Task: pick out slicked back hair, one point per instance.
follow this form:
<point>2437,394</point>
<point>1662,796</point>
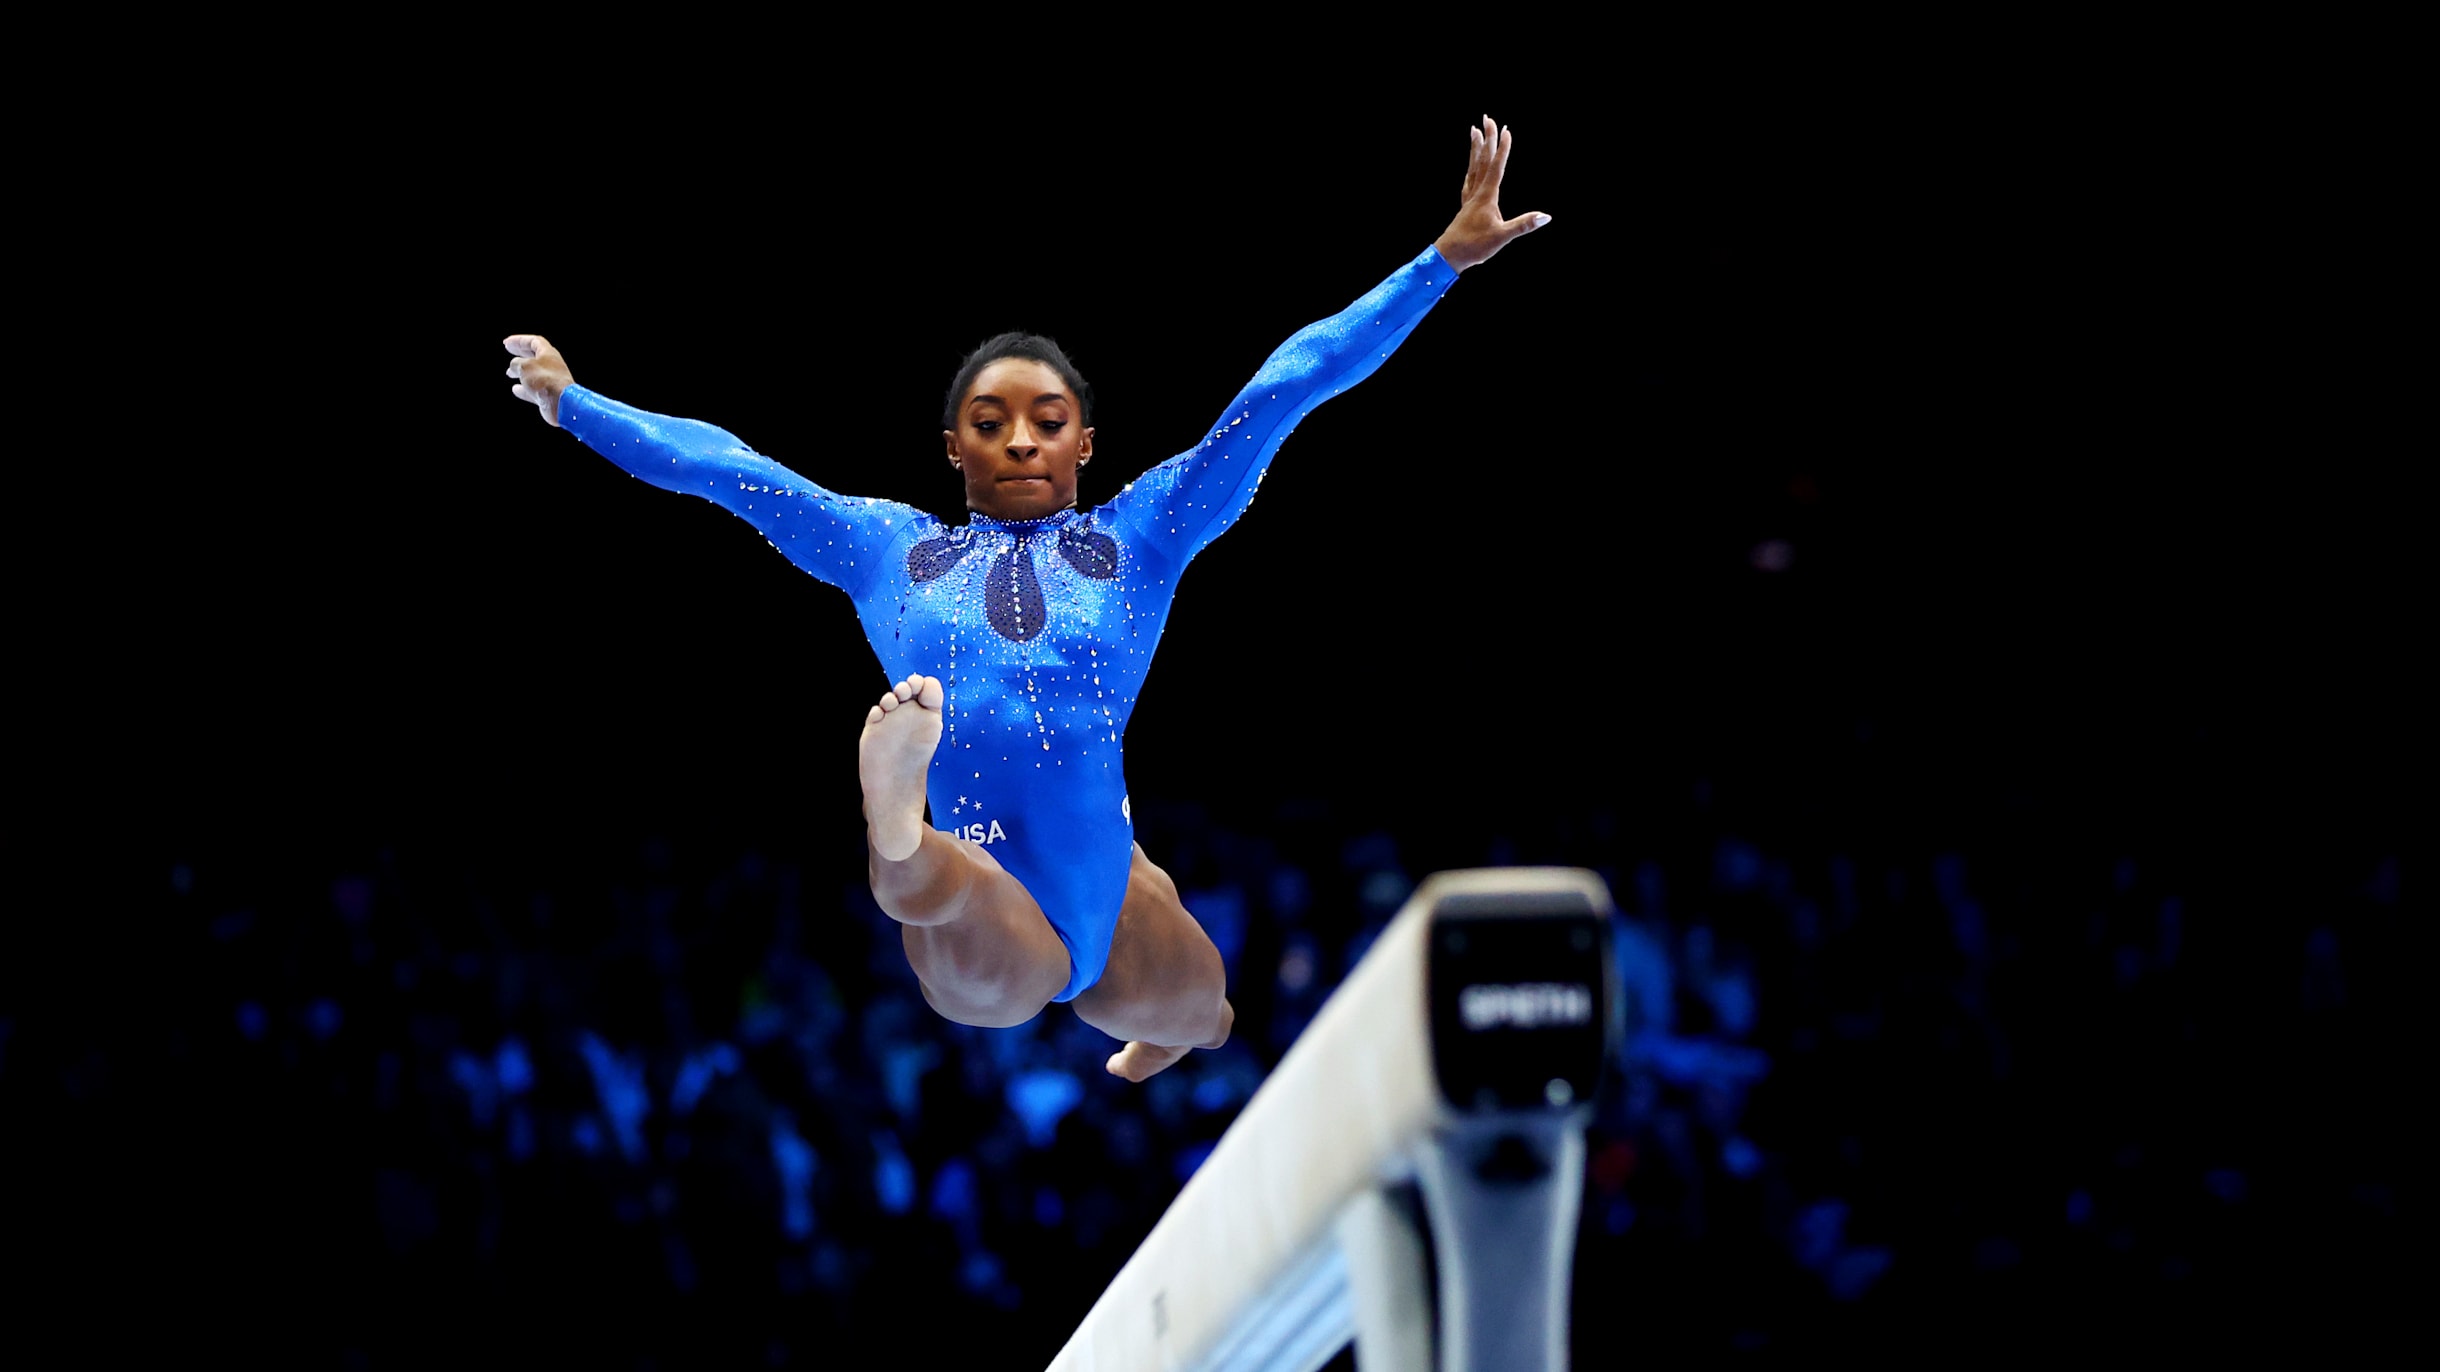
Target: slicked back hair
<point>1034,348</point>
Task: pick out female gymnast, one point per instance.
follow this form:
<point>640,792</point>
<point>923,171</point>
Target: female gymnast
<point>1019,639</point>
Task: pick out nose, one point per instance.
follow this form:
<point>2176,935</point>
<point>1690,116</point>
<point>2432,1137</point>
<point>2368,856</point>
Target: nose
<point>1022,442</point>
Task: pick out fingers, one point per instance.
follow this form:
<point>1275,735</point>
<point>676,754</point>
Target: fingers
<point>531,352</point>
<point>550,414</point>
<point>1489,162</point>
<point>1479,229</point>
<point>1486,162</point>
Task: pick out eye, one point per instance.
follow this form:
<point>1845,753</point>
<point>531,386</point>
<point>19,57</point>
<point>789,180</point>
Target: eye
<point>1053,425</point>
<point>986,425</point>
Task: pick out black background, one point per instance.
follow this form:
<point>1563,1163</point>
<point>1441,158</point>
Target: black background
<point>2049,392</point>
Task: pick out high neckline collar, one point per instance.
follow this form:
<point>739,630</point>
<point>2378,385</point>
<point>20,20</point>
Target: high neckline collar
<point>1056,519</point>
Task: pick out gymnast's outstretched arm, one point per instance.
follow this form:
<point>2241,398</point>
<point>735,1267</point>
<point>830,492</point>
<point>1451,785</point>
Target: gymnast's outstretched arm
<point>1180,506</point>
<point>840,539</point>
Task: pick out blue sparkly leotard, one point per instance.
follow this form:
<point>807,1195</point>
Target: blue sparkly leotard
<point>1040,631</point>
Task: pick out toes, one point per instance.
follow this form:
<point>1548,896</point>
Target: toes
<point>873,715</point>
<point>924,690</point>
<point>1140,1061</point>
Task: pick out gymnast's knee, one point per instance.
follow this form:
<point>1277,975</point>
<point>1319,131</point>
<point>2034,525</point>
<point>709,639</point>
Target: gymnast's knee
<point>1228,1021</point>
<point>1203,1016</point>
<point>983,1006</point>
<point>1172,1010</point>
<point>1198,998</point>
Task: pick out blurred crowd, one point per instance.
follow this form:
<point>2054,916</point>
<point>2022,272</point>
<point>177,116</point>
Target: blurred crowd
<point>674,1100</point>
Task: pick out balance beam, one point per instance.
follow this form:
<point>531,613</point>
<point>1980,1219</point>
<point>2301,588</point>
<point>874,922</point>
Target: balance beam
<point>1429,1121</point>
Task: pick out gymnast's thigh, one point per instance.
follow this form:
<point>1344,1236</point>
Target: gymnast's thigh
<point>1000,960</point>
<point>1164,976</point>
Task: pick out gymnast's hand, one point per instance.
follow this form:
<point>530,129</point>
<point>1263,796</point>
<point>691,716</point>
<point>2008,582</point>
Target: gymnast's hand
<point>1478,231</point>
<point>539,371</point>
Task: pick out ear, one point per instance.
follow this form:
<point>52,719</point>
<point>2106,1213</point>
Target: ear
<point>1084,448</point>
<point>948,438</point>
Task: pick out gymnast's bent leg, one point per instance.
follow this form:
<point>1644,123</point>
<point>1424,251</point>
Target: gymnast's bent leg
<point>978,942</point>
<point>1165,988</point>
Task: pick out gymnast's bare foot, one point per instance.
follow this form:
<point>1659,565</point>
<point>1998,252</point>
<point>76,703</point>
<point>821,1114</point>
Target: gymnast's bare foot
<point>1137,1061</point>
<point>892,758</point>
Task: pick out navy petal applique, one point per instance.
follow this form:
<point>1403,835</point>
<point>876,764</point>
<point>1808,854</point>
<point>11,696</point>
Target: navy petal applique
<point>1012,596</point>
<point>1095,555</point>
<point>931,559</point>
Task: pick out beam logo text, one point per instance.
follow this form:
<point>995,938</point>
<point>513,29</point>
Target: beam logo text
<point>1525,1005</point>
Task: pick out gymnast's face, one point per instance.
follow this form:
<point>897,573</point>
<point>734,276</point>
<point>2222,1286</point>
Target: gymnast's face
<point>1017,441</point>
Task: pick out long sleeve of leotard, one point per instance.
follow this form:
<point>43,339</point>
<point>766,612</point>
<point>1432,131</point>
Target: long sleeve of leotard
<point>1186,502</point>
<point>840,539</point>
